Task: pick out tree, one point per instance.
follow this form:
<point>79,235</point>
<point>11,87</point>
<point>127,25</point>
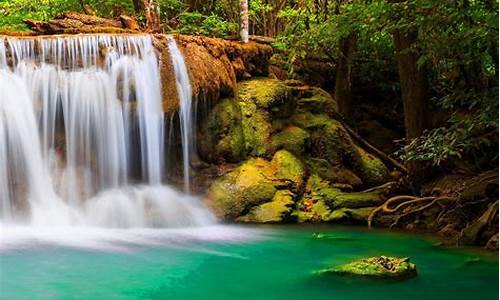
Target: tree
<point>244,20</point>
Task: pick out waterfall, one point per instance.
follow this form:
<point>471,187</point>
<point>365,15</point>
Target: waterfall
<point>78,116</point>
<point>185,113</point>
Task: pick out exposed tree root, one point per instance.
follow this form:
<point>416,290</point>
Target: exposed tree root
<point>405,201</point>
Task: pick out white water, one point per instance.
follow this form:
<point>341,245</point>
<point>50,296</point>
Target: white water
<point>185,114</point>
<point>68,148</point>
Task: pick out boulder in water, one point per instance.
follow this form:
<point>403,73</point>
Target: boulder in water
<point>380,267</point>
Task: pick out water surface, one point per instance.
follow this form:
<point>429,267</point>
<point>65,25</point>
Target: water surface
<point>223,262</point>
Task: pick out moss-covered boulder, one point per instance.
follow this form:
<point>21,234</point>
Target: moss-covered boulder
<point>309,121</point>
<point>291,138</point>
<point>253,183</point>
<point>372,170</point>
<point>289,171</point>
<point>338,199</point>
<point>221,136</point>
<point>380,267</point>
<point>267,93</point>
<point>333,144</point>
<point>334,174</point>
<point>320,101</point>
<point>276,211</point>
<point>351,215</point>
<point>262,100</point>
<point>249,185</point>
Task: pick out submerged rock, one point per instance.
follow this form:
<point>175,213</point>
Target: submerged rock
<point>380,267</point>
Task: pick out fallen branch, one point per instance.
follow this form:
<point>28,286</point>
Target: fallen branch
<point>387,159</point>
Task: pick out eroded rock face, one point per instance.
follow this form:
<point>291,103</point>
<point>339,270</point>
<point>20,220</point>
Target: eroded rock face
<point>214,66</point>
<point>380,267</point>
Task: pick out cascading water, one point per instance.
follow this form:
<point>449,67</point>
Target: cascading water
<point>185,103</point>
<point>78,116</point>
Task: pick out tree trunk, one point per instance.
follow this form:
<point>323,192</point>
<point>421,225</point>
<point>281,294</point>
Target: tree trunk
<point>244,20</point>
<point>149,9</point>
<point>343,86</point>
<point>414,90</point>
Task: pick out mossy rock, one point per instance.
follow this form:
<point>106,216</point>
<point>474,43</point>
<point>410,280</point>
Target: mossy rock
<point>319,101</point>
<point>380,267</point>
<point>334,174</point>
<point>333,144</point>
<point>349,215</point>
<point>291,138</point>
<point>221,136</point>
<point>276,211</point>
<point>267,93</point>
<point>253,183</point>
<point>309,121</point>
<point>288,169</point>
<point>317,211</point>
<point>249,185</point>
<point>261,101</point>
<point>338,199</point>
<point>372,170</point>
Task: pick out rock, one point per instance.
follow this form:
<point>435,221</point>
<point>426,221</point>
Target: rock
<point>73,22</point>
<point>339,199</point>
<point>320,101</point>
<point>309,121</point>
<point>253,183</point>
<point>334,174</point>
<point>291,138</point>
<point>372,170</point>
<point>288,169</point>
<point>246,186</point>
<point>333,144</point>
<point>380,267</point>
<point>214,66</point>
<point>471,233</point>
<point>276,211</point>
<point>260,101</point>
<point>493,243</point>
<point>347,215</point>
<point>313,210</point>
<point>221,136</point>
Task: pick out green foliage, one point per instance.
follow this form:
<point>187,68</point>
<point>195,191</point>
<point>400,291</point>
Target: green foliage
<point>198,24</point>
<point>13,12</point>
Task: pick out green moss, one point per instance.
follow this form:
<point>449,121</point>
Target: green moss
<point>339,199</point>
<point>222,135</point>
<point>319,102</point>
<point>270,94</point>
<point>292,138</point>
<point>262,100</point>
<point>334,174</point>
<point>381,267</point>
<point>372,169</point>
<point>246,186</point>
<point>318,212</point>
<point>310,121</point>
<point>276,211</point>
<point>348,215</point>
<point>289,168</point>
<point>256,124</point>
